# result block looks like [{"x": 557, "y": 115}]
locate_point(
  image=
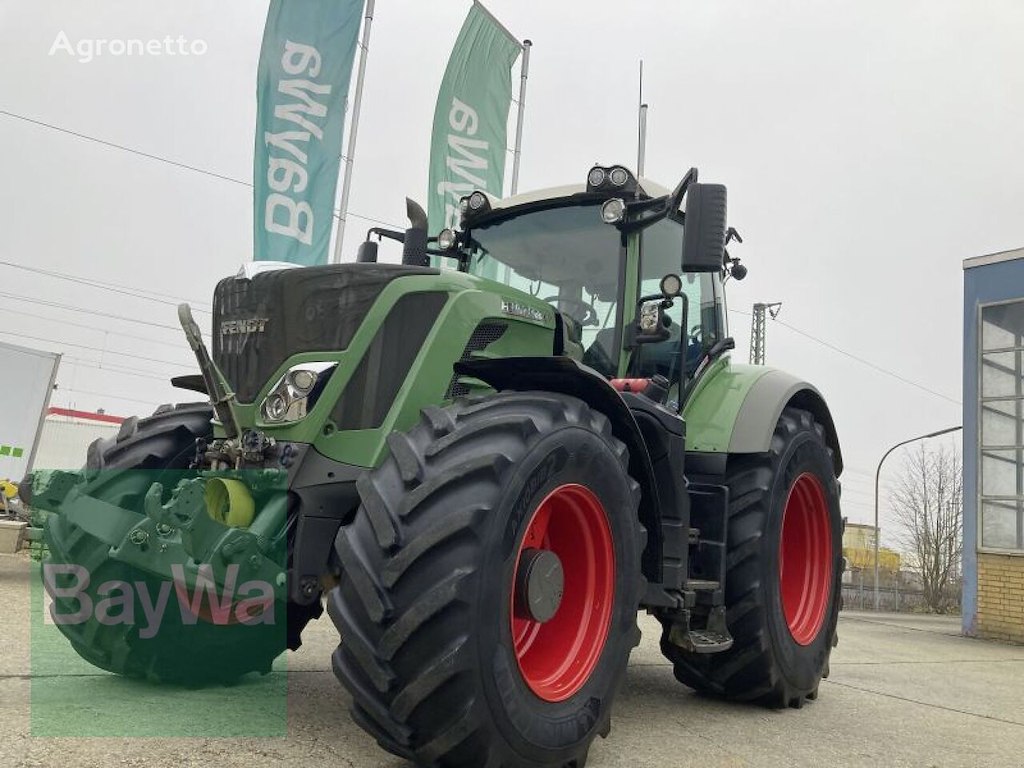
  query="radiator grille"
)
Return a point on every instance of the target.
[{"x": 483, "y": 336}]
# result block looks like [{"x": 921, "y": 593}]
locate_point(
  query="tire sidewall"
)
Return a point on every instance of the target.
[
  {"x": 801, "y": 665},
  {"x": 534, "y": 727}
]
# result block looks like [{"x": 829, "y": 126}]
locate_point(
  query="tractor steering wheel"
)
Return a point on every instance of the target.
[
  {"x": 590, "y": 316},
  {"x": 695, "y": 334}
]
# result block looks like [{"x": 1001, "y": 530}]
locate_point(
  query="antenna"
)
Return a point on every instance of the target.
[{"x": 642, "y": 128}]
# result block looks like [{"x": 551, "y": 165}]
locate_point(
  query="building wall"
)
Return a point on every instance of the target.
[
  {"x": 993, "y": 580},
  {"x": 1000, "y": 597}
]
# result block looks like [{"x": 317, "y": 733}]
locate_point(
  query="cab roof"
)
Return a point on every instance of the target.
[{"x": 648, "y": 189}]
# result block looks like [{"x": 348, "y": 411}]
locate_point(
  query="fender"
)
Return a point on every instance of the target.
[
  {"x": 735, "y": 408},
  {"x": 567, "y": 376}
]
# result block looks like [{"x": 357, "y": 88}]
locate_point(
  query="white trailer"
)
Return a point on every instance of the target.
[{"x": 27, "y": 377}]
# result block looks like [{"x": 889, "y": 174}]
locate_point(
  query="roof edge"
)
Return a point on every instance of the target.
[{"x": 994, "y": 258}]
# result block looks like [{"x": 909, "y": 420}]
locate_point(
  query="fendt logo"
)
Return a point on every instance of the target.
[{"x": 248, "y": 325}]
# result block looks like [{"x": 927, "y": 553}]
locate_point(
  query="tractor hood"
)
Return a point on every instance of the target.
[{"x": 260, "y": 321}]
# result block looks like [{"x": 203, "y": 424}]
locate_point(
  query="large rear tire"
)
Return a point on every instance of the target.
[
  {"x": 121, "y": 469},
  {"x": 448, "y": 658},
  {"x": 784, "y": 572}
]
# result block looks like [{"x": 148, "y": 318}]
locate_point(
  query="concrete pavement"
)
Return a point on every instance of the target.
[{"x": 904, "y": 691}]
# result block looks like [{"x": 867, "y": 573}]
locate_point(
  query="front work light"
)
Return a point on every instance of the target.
[
  {"x": 613, "y": 211},
  {"x": 446, "y": 240}
]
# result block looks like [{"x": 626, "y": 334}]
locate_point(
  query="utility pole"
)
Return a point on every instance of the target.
[{"x": 758, "y": 330}]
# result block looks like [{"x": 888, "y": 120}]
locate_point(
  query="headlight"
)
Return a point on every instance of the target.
[
  {"x": 296, "y": 392},
  {"x": 276, "y": 407},
  {"x": 596, "y": 177}
]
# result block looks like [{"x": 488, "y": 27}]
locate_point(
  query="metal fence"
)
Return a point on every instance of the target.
[{"x": 858, "y": 597}]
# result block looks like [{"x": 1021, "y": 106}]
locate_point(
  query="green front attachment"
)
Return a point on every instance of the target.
[{"x": 139, "y": 569}]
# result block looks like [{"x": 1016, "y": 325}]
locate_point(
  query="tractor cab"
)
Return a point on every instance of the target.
[{"x": 598, "y": 253}]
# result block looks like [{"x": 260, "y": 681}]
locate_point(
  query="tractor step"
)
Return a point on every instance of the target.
[
  {"x": 702, "y": 585},
  {"x": 714, "y": 638},
  {"x": 702, "y": 641}
]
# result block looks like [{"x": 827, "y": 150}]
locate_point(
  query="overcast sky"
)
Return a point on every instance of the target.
[{"x": 868, "y": 147}]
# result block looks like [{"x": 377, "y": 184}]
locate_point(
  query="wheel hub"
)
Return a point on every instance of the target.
[{"x": 540, "y": 581}]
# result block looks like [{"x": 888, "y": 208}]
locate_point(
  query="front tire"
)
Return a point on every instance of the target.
[
  {"x": 446, "y": 659},
  {"x": 784, "y": 573}
]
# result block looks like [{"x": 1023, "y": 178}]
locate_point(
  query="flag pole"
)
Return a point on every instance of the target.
[
  {"x": 346, "y": 186},
  {"x": 524, "y": 74}
]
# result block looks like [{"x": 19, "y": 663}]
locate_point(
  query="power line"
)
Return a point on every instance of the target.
[
  {"x": 94, "y": 349},
  {"x": 112, "y": 287},
  {"x": 115, "y": 369},
  {"x": 166, "y": 160},
  {"x": 70, "y": 308},
  {"x": 861, "y": 360},
  {"x": 62, "y": 389},
  {"x": 868, "y": 363},
  {"x": 98, "y": 329}
]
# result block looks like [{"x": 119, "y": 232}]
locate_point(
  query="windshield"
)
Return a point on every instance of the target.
[{"x": 568, "y": 257}]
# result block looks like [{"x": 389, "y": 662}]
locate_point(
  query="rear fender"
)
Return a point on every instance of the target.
[{"x": 735, "y": 409}]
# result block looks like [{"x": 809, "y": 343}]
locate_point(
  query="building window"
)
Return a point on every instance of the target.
[{"x": 1001, "y": 424}]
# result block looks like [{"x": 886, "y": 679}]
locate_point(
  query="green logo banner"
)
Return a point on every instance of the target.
[
  {"x": 468, "y": 147},
  {"x": 305, "y": 67}
]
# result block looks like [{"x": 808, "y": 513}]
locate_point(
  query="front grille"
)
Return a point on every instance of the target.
[
  {"x": 483, "y": 336},
  {"x": 259, "y": 323}
]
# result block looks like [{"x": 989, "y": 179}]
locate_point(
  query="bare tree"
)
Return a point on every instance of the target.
[{"x": 928, "y": 504}]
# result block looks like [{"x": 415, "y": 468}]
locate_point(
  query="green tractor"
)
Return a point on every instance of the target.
[{"x": 484, "y": 472}]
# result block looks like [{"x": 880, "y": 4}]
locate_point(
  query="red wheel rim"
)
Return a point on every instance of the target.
[
  {"x": 805, "y": 559},
  {"x": 557, "y": 657}
]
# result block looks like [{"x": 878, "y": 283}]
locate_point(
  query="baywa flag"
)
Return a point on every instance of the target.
[
  {"x": 467, "y": 150},
  {"x": 305, "y": 67}
]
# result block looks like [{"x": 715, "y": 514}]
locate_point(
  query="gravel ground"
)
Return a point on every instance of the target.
[{"x": 904, "y": 691}]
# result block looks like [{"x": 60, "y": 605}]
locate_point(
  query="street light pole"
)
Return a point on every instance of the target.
[{"x": 878, "y": 473}]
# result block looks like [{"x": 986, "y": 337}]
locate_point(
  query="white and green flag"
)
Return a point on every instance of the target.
[
  {"x": 309, "y": 48},
  {"x": 468, "y": 147}
]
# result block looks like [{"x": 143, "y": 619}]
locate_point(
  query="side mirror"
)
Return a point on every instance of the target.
[
  {"x": 367, "y": 253},
  {"x": 704, "y": 228},
  {"x": 414, "y": 248}
]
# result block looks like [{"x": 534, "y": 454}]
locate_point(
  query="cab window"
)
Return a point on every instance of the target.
[{"x": 661, "y": 248}]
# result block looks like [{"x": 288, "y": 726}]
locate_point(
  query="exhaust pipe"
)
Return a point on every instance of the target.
[{"x": 414, "y": 249}]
